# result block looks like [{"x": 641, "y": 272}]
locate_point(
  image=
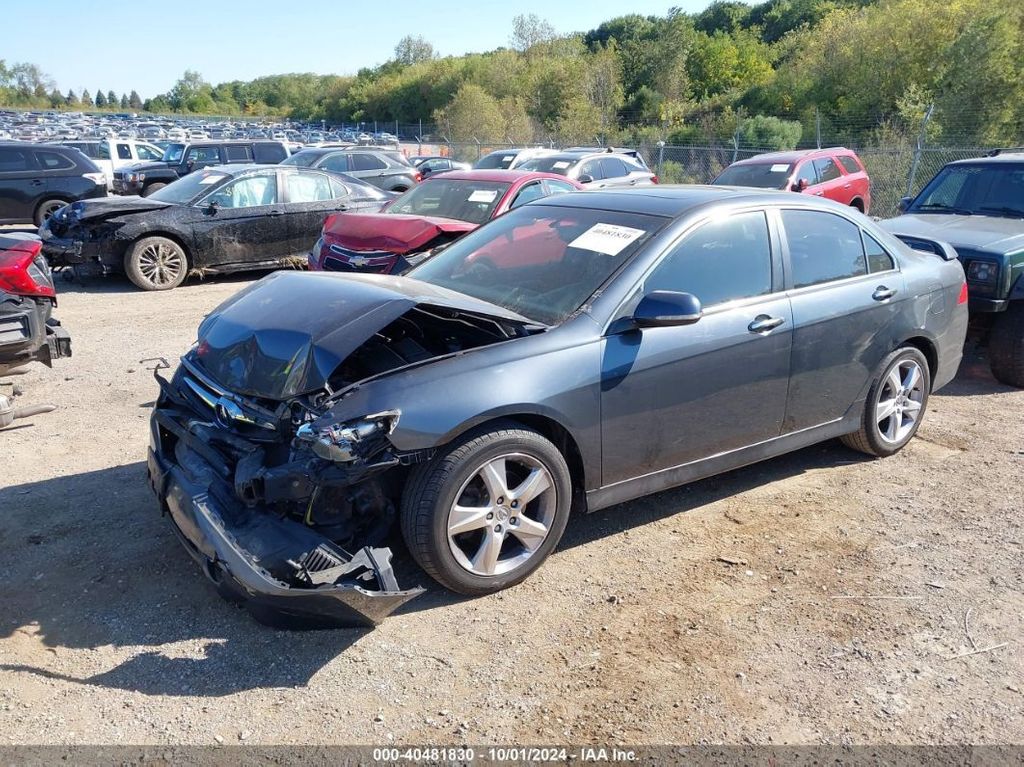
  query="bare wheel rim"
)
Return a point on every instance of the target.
[
  {"x": 502, "y": 514},
  {"x": 160, "y": 263},
  {"x": 900, "y": 401},
  {"x": 50, "y": 208}
]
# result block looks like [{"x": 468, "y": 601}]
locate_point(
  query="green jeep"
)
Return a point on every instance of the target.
[{"x": 977, "y": 206}]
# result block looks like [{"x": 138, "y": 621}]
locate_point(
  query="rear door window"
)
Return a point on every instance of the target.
[
  {"x": 13, "y": 160},
  {"x": 849, "y": 163},
  {"x": 823, "y": 247},
  {"x": 54, "y": 161},
  {"x": 270, "y": 153},
  {"x": 308, "y": 187},
  {"x": 336, "y": 162},
  {"x": 613, "y": 167},
  {"x": 367, "y": 162},
  {"x": 827, "y": 169},
  {"x": 238, "y": 153}
]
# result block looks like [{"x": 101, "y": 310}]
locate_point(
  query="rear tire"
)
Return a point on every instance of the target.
[
  {"x": 156, "y": 263},
  {"x": 46, "y": 209},
  {"x": 895, "y": 404},
  {"x": 1006, "y": 346},
  {"x": 154, "y": 187},
  {"x": 450, "y": 517}
]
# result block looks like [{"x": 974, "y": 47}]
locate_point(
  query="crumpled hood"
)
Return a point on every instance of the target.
[
  {"x": 393, "y": 233},
  {"x": 993, "y": 234},
  {"x": 286, "y": 334},
  {"x": 110, "y": 207}
]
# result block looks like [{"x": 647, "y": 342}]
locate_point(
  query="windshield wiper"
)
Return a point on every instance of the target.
[
  {"x": 943, "y": 206},
  {"x": 1003, "y": 210}
]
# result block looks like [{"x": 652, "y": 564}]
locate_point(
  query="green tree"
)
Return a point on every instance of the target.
[
  {"x": 124, "y": 101},
  {"x": 413, "y": 50},
  {"x": 472, "y": 114},
  {"x": 134, "y": 100},
  {"x": 101, "y": 100},
  {"x": 112, "y": 99},
  {"x": 529, "y": 30}
]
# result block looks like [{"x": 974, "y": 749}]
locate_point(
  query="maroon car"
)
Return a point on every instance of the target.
[{"x": 441, "y": 209}]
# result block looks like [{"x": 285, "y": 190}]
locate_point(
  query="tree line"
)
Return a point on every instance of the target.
[{"x": 771, "y": 74}]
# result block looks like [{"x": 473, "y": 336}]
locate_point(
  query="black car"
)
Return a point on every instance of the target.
[
  {"x": 378, "y": 167},
  {"x": 36, "y": 180},
  {"x": 28, "y": 330},
  {"x": 977, "y": 206},
  {"x": 222, "y": 219},
  {"x": 572, "y": 354},
  {"x": 180, "y": 159}
]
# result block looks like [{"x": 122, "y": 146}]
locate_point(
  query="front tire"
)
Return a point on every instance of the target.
[
  {"x": 156, "y": 263},
  {"x": 1006, "y": 346},
  {"x": 895, "y": 404},
  {"x": 155, "y": 187},
  {"x": 487, "y": 511}
]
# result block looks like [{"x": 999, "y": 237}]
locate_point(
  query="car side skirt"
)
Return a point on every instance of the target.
[{"x": 637, "y": 487}]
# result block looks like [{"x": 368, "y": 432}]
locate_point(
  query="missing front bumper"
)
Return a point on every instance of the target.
[{"x": 238, "y": 548}]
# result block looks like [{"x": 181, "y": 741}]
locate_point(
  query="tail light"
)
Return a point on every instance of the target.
[
  {"x": 963, "y": 295},
  {"x": 654, "y": 179},
  {"x": 417, "y": 177},
  {"x": 24, "y": 271},
  {"x": 97, "y": 178}
]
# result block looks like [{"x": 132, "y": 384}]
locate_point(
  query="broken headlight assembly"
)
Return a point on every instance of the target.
[{"x": 347, "y": 441}]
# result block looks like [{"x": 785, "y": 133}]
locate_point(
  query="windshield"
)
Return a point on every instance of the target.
[
  {"x": 173, "y": 153},
  {"x": 472, "y": 201},
  {"x": 987, "y": 190},
  {"x": 559, "y": 165},
  {"x": 302, "y": 159},
  {"x": 542, "y": 262},
  {"x": 761, "y": 175},
  {"x": 186, "y": 189},
  {"x": 496, "y": 161}
]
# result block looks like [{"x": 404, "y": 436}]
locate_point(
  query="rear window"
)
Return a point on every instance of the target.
[
  {"x": 768, "y": 175},
  {"x": 496, "y": 161},
  {"x": 472, "y": 201},
  {"x": 849, "y": 163},
  {"x": 269, "y": 153},
  {"x": 559, "y": 165}
]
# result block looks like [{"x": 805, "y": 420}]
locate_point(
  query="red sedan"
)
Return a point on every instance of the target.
[{"x": 441, "y": 209}]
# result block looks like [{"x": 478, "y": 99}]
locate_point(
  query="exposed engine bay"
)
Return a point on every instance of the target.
[{"x": 300, "y": 503}]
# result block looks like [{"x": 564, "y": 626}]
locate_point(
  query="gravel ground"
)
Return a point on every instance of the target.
[{"x": 845, "y": 595}]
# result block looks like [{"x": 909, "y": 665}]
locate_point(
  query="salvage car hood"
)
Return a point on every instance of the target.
[
  {"x": 110, "y": 207},
  {"x": 394, "y": 233},
  {"x": 285, "y": 335},
  {"x": 994, "y": 234}
]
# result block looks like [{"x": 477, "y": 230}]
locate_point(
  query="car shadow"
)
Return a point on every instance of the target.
[
  {"x": 974, "y": 376},
  {"x": 89, "y": 563}
]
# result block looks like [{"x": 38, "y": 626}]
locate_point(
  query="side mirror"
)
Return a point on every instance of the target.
[
  {"x": 424, "y": 171},
  {"x": 800, "y": 186},
  {"x": 585, "y": 179},
  {"x": 212, "y": 207},
  {"x": 667, "y": 308},
  {"x": 905, "y": 204}
]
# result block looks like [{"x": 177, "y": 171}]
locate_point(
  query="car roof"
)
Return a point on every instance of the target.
[
  {"x": 791, "y": 156},
  {"x": 664, "y": 199},
  {"x": 1002, "y": 157},
  {"x": 499, "y": 176}
]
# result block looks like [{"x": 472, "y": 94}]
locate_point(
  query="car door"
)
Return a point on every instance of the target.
[
  {"x": 21, "y": 186},
  {"x": 830, "y": 181},
  {"x": 673, "y": 395},
  {"x": 615, "y": 172},
  {"x": 843, "y": 300},
  {"x": 309, "y": 197},
  {"x": 590, "y": 174},
  {"x": 240, "y": 222}
]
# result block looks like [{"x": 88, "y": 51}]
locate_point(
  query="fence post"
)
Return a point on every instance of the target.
[
  {"x": 917, "y": 150},
  {"x": 661, "y": 155},
  {"x": 817, "y": 126},
  {"x": 735, "y": 146}
]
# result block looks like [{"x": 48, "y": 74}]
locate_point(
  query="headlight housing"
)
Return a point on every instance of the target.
[
  {"x": 348, "y": 441},
  {"x": 983, "y": 271}
]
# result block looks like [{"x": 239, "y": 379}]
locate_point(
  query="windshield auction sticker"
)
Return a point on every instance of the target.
[
  {"x": 606, "y": 238},
  {"x": 483, "y": 195}
]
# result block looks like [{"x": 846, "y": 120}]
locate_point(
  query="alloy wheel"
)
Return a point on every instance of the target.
[
  {"x": 900, "y": 400},
  {"x": 161, "y": 264}
]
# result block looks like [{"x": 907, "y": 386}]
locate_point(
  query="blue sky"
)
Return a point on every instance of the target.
[{"x": 123, "y": 44}]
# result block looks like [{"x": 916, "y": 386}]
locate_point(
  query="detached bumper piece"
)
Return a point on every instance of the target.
[{"x": 285, "y": 574}]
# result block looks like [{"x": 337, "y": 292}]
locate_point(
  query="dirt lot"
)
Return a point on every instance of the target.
[{"x": 836, "y": 622}]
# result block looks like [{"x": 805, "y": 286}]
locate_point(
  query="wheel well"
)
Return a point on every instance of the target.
[
  {"x": 561, "y": 439},
  {"x": 857, "y": 203},
  {"x": 927, "y": 348},
  {"x": 50, "y": 198}
]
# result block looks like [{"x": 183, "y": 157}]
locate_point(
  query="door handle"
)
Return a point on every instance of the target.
[
  {"x": 37, "y": 182},
  {"x": 882, "y": 293},
  {"x": 275, "y": 213},
  {"x": 819, "y": 194},
  {"x": 763, "y": 323}
]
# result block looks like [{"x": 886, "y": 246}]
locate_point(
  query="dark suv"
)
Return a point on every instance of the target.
[
  {"x": 977, "y": 206},
  {"x": 180, "y": 159},
  {"x": 386, "y": 169},
  {"x": 36, "y": 180}
]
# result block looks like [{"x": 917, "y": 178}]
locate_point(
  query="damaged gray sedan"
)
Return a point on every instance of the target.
[{"x": 570, "y": 355}]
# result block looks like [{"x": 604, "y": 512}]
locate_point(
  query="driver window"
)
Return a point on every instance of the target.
[
  {"x": 806, "y": 172},
  {"x": 721, "y": 261},
  {"x": 248, "y": 192},
  {"x": 591, "y": 168},
  {"x": 145, "y": 153},
  {"x": 204, "y": 154}
]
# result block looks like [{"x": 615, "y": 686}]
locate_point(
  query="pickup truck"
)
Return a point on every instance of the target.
[
  {"x": 180, "y": 159},
  {"x": 110, "y": 154}
]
